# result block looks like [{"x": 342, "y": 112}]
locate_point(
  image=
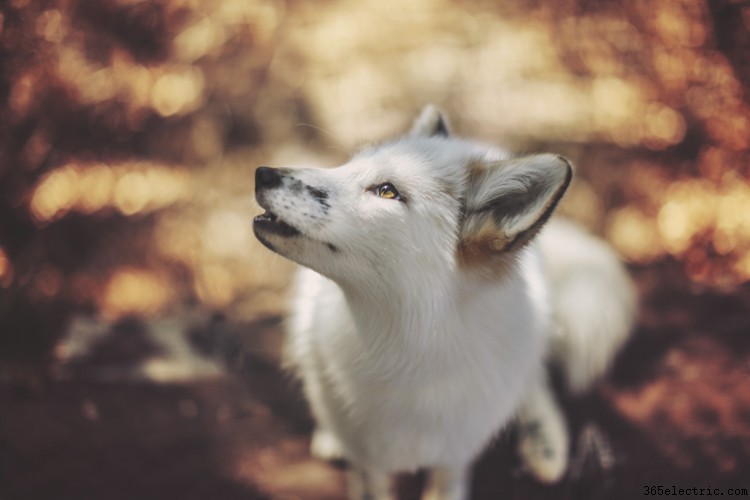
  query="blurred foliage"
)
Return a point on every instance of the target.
[
  {"x": 129, "y": 129},
  {"x": 109, "y": 107}
]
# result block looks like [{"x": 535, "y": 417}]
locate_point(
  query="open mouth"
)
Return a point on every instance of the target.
[{"x": 269, "y": 222}]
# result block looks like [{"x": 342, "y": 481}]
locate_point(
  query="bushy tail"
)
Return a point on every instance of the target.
[{"x": 594, "y": 302}]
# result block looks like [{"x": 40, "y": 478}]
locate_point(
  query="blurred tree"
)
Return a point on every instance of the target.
[{"x": 105, "y": 84}]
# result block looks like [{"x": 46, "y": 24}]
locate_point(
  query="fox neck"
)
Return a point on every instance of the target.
[{"x": 403, "y": 310}]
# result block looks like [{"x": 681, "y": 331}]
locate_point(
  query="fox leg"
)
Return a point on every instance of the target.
[
  {"x": 543, "y": 435},
  {"x": 369, "y": 484},
  {"x": 326, "y": 446},
  {"x": 448, "y": 483}
]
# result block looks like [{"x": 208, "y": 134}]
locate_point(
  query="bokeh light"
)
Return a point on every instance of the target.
[
  {"x": 132, "y": 291},
  {"x": 6, "y": 271},
  {"x": 131, "y": 188}
]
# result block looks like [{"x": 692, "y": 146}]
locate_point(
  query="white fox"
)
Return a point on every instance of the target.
[{"x": 431, "y": 302}]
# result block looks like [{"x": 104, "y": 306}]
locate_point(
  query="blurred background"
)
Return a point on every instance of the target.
[{"x": 140, "y": 320}]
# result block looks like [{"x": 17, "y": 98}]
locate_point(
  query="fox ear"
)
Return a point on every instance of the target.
[
  {"x": 430, "y": 122},
  {"x": 507, "y": 202}
]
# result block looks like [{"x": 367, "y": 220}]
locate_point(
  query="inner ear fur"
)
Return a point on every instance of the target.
[
  {"x": 430, "y": 122},
  {"x": 507, "y": 203}
]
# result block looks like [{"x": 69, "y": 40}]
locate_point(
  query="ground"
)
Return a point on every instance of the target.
[{"x": 674, "y": 411}]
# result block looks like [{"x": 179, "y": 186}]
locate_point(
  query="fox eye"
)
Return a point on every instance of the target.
[{"x": 387, "y": 191}]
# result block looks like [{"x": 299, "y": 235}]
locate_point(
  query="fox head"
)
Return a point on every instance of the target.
[{"x": 414, "y": 208}]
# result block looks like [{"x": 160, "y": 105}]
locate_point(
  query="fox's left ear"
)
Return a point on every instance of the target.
[
  {"x": 507, "y": 203},
  {"x": 430, "y": 122}
]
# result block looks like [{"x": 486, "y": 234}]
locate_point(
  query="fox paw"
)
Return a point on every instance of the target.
[
  {"x": 326, "y": 446},
  {"x": 543, "y": 447},
  {"x": 447, "y": 484}
]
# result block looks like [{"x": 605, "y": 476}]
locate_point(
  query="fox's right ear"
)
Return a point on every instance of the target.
[{"x": 430, "y": 122}]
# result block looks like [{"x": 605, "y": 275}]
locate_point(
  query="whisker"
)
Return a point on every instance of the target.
[{"x": 336, "y": 147}]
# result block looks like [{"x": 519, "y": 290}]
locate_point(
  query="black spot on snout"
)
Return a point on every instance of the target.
[
  {"x": 333, "y": 248},
  {"x": 320, "y": 195}
]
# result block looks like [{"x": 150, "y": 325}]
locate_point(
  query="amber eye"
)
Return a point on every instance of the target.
[{"x": 387, "y": 191}]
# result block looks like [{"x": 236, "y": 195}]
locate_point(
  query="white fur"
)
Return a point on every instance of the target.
[{"x": 408, "y": 358}]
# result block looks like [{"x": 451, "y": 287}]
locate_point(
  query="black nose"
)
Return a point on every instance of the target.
[{"x": 267, "y": 177}]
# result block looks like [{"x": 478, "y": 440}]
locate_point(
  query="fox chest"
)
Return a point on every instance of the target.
[{"x": 447, "y": 413}]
